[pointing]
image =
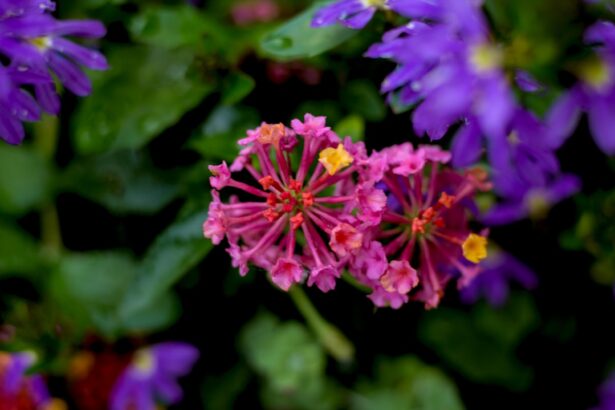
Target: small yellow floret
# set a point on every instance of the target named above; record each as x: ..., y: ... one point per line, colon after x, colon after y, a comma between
x: 55, y: 404
x: 335, y: 159
x: 475, y: 248
x: 81, y: 364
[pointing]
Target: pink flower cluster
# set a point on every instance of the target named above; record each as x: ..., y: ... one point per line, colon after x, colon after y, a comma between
x: 308, y: 206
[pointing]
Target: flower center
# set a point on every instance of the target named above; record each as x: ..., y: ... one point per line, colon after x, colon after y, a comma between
x: 595, y: 72
x: 286, y: 200
x: 41, y: 43
x: 144, y: 361
x: 374, y: 3
x: 430, y: 218
x: 485, y: 57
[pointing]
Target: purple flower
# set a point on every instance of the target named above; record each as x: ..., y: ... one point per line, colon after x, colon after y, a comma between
x: 594, y: 94
x: 18, y: 389
x: 498, y: 271
x: 356, y: 14
x: 522, y: 199
x: 607, y: 394
x: 151, y: 377
x: 450, y: 70
x: 32, y: 41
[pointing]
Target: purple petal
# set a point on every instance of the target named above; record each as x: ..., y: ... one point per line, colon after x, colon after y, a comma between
x: 81, y: 55
x: 415, y: 8
x: 466, y: 147
x: 504, y: 213
x: 359, y: 20
x: 601, y: 113
x: 80, y: 28
x: 48, y: 98
x: 175, y: 358
x: 70, y: 75
x: 11, y: 129
x: 527, y: 82
x: 564, y: 187
x: 562, y: 118
x: 496, y: 106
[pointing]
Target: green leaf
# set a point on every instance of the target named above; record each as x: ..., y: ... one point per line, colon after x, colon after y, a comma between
x: 89, y: 286
x: 170, y: 27
x: 176, y: 251
x: 352, y: 126
x: 19, y: 253
x: 362, y: 97
x: 123, y: 181
x: 290, y: 361
x: 407, y: 383
x: 481, y: 345
x: 115, y: 115
x: 24, y: 179
x: 158, y: 314
x: 221, y: 391
x: 236, y: 87
x: 297, y: 39
x: 218, y: 136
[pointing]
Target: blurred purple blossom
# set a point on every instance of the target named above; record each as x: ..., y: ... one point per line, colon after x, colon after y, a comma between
x: 151, y: 377
x: 34, y: 45
x: 594, y: 94
x: 499, y: 270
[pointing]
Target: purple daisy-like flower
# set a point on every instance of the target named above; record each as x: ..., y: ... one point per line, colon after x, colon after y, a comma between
x: 450, y: 70
x: 22, y: 391
x: 498, y: 271
x: 151, y: 377
x: 34, y: 44
x: 594, y: 94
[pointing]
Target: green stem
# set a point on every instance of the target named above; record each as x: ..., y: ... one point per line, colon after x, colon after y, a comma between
x: 46, y: 142
x: 329, y: 336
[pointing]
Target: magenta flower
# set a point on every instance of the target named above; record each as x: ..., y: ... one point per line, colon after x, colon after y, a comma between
x: 304, y: 203
x: 424, y: 239
x: 151, y: 377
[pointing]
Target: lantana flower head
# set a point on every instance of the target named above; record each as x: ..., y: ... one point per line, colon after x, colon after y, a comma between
x: 424, y: 239
x: 151, y: 377
x: 303, y: 201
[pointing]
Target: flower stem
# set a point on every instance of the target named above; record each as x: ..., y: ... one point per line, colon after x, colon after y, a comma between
x: 46, y: 141
x: 329, y: 336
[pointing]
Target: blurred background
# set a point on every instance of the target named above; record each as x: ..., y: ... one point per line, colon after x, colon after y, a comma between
x: 101, y: 248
